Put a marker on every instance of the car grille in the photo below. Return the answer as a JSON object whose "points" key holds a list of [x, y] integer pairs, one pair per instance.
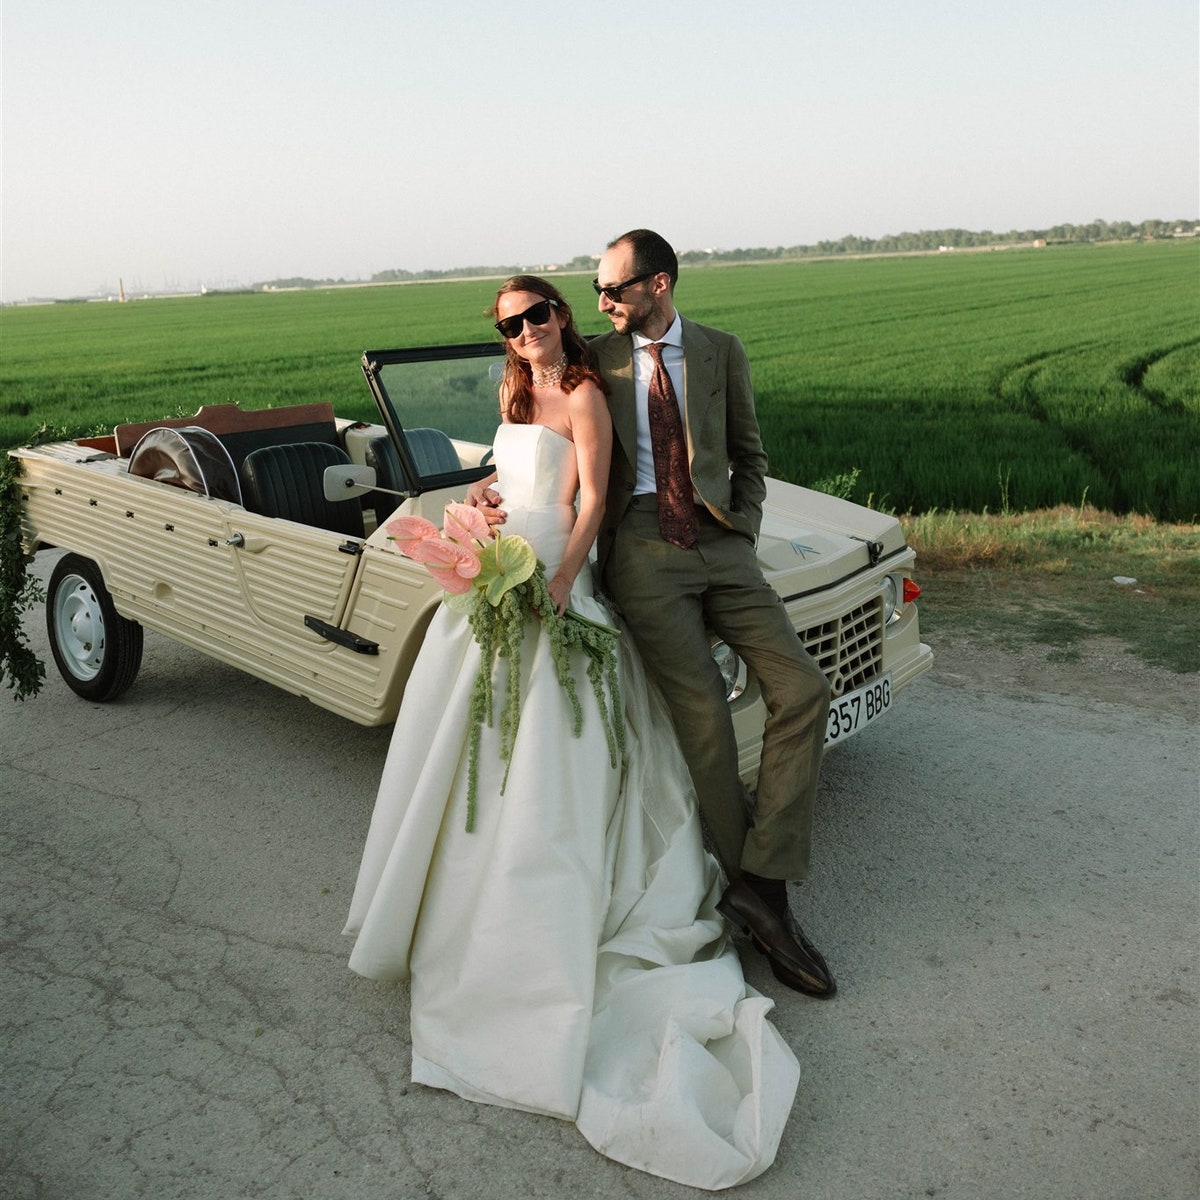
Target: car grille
{"points": [[849, 649]]}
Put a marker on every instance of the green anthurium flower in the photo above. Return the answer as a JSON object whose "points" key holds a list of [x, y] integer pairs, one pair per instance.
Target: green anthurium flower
{"points": [[506, 563]]}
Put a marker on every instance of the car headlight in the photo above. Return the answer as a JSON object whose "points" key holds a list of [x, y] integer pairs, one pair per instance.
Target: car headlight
{"points": [[733, 670], [891, 597]]}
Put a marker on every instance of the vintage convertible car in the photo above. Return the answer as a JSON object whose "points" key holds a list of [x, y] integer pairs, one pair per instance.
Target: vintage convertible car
{"points": [[256, 537]]}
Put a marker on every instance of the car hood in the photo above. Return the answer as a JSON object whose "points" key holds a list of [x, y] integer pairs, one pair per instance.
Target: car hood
{"points": [[810, 540]]}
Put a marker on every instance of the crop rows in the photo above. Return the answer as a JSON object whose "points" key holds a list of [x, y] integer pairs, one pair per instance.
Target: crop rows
{"points": [[1004, 380]]}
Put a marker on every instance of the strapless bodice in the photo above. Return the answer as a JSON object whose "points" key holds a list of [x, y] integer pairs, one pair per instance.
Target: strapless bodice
{"points": [[536, 466], [537, 480]]}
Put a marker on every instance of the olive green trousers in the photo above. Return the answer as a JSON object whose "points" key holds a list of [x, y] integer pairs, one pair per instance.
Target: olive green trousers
{"points": [[670, 599]]}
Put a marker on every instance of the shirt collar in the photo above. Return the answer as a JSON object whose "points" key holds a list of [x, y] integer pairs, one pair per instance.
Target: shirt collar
{"points": [[673, 336]]}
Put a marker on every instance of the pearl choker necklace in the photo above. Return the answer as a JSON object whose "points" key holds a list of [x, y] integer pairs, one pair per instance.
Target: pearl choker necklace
{"points": [[550, 376]]}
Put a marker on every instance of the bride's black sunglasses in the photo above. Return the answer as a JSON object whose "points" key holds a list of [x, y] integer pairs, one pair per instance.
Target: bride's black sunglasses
{"points": [[537, 314]]}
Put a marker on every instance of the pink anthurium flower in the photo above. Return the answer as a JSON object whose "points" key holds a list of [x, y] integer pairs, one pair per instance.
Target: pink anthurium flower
{"points": [[465, 524], [453, 566], [410, 530]]}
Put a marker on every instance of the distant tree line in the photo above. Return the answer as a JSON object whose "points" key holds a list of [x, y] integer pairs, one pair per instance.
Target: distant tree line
{"points": [[399, 275], [954, 239], [892, 243]]}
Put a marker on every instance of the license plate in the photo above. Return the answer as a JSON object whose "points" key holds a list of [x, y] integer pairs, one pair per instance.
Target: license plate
{"points": [[856, 710]]}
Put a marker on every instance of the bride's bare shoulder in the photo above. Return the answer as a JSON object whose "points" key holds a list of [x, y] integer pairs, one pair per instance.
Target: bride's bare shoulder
{"points": [[587, 394]]}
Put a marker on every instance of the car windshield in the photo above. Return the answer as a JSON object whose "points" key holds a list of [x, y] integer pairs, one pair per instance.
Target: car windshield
{"points": [[435, 402]]}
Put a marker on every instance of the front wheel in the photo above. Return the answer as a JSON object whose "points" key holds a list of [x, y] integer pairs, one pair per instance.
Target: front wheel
{"points": [[97, 651]]}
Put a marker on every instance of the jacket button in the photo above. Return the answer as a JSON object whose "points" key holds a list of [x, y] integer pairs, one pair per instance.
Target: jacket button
{"points": [[629, 487]]}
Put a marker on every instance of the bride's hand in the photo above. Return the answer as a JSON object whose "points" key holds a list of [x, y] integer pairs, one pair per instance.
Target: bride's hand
{"points": [[560, 593], [487, 501]]}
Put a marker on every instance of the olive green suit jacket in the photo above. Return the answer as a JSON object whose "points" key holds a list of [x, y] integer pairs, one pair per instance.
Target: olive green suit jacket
{"points": [[725, 454]]}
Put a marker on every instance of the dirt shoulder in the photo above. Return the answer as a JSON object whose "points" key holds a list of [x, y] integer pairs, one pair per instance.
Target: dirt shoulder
{"points": [[1020, 635], [1101, 668]]}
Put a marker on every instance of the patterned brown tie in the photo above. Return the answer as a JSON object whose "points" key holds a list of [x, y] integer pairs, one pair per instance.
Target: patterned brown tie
{"points": [[676, 508]]}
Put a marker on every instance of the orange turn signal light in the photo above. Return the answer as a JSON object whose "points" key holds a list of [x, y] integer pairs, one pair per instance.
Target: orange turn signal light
{"points": [[911, 591]]}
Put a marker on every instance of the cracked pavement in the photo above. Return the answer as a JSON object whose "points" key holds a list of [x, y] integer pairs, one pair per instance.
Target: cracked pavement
{"points": [[1005, 884]]}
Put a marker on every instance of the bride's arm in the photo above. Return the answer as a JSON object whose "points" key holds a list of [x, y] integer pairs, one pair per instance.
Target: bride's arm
{"points": [[591, 431], [481, 494]]}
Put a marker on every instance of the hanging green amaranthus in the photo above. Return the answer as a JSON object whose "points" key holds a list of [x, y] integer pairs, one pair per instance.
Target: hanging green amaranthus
{"points": [[498, 583]]}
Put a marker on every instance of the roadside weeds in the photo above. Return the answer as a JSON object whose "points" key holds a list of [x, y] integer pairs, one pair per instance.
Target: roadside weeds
{"points": [[1060, 579]]}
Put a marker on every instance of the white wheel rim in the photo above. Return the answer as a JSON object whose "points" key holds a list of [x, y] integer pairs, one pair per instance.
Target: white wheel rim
{"points": [[79, 627]]}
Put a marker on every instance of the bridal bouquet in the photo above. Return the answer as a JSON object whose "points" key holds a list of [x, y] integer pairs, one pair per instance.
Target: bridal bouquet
{"points": [[498, 583]]}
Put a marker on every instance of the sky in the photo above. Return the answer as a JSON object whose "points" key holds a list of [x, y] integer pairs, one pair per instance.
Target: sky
{"points": [[189, 143]]}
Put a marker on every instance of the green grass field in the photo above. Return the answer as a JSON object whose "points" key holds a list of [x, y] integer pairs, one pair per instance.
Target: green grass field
{"points": [[1006, 380]]}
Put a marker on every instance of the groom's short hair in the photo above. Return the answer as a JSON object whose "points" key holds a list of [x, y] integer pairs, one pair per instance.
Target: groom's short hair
{"points": [[652, 253]]}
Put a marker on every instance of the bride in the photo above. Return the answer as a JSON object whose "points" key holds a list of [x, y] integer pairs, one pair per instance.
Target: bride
{"points": [[565, 955]]}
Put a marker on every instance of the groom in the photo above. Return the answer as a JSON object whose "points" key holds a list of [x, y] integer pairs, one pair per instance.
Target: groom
{"points": [[677, 553]]}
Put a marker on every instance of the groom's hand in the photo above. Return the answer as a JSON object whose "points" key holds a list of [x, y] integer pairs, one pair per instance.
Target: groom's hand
{"points": [[487, 500]]}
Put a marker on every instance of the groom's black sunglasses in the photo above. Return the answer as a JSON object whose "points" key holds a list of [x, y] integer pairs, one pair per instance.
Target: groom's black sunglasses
{"points": [[615, 290], [537, 314]]}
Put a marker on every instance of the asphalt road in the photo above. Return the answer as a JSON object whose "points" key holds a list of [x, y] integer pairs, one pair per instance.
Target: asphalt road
{"points": [[1005, 884]]}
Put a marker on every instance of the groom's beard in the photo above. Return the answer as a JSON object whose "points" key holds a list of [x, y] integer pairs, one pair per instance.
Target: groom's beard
{"points": [[634, 319]]}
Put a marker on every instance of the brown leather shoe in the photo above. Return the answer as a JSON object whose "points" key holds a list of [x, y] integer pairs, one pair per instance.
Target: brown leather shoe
{"points": [[794, 960]]}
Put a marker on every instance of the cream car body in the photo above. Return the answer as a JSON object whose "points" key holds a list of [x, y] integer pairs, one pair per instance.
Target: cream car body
{"points": [[337, 616]]}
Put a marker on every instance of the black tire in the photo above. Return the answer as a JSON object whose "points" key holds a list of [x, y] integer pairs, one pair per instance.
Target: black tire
{"points": [[97, 651]]}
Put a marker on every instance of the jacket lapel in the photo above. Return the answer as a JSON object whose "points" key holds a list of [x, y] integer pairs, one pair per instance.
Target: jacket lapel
{"points": [[616, 365], [699, 375]]}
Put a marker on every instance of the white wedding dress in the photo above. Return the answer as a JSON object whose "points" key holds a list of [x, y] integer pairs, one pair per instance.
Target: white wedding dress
{"points": [[565, 957]]}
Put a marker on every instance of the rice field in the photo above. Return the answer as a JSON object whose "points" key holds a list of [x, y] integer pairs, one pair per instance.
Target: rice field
{"points": [[995, 381]]}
